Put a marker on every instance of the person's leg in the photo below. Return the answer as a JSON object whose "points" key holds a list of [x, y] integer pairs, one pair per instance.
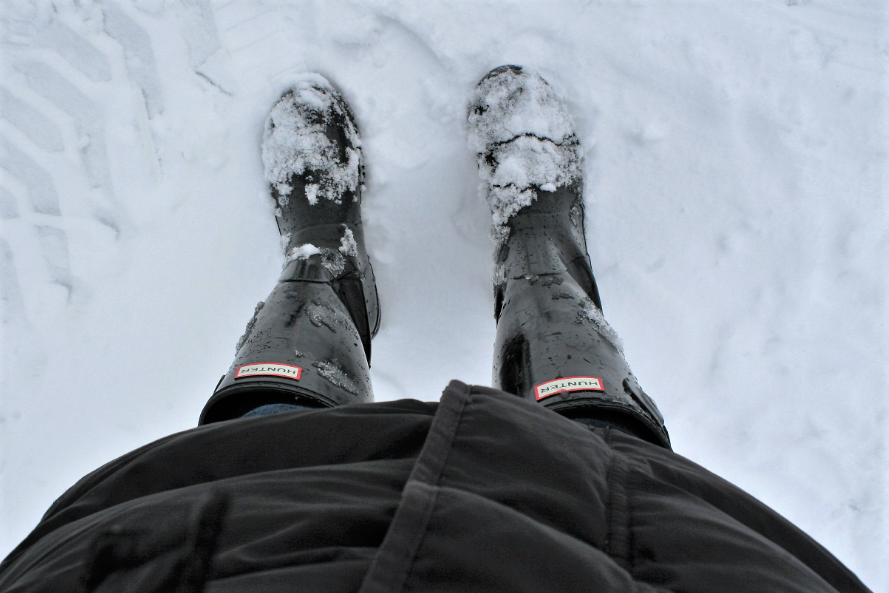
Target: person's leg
{"points": [[308, 343], [553, 344], [272, 409]]}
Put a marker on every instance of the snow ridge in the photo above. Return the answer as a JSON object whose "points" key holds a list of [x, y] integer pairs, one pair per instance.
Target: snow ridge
{"points": [[295, 142], [525, 140]]}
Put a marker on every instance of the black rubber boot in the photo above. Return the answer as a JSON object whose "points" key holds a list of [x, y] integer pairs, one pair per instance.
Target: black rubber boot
{"points": [[309, 342], [553, 344]]}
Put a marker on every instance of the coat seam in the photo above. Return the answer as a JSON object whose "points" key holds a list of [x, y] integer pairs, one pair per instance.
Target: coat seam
{"points": [[442, 433], [631, 538], [393, 562], [619, 523]]}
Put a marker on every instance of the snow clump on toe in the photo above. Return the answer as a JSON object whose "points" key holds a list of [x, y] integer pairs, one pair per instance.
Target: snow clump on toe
{"points": [[302, 252], [295, 142], [348, 245], [525, 140]]}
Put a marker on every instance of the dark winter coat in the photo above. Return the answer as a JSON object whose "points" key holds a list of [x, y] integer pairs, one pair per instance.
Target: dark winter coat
{"points": [[480, 492]]}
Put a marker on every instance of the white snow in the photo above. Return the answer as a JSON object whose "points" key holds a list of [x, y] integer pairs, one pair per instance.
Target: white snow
{"points": [[525, 140], [348, 245], [590, 312], [312, 193], [295, 141], [304, 251], [510, 104], [735, 189]]}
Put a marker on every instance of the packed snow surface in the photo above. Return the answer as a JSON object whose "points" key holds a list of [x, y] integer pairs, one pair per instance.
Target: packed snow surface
{"points": [[524, 137], [295, 142], [735, 190]]}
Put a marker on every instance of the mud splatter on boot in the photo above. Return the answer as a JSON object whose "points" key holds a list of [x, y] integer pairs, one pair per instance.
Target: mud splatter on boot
{"points": [[336, 375], [250, 325]]}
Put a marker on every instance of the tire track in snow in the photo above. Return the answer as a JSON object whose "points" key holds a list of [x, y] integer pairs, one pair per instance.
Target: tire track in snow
{"points": [[41, 190], [12, 305], [54, 244], [9, 208], [63, 88], [30, 122], [40, 129], [64, 41], [199, 31], [87, 116], [44, 200], [139, 55], [26, 352], [206, 56], [78, 52]]}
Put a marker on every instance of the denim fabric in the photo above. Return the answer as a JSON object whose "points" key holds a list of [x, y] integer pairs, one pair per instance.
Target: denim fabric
{"points": [[270, 409]]}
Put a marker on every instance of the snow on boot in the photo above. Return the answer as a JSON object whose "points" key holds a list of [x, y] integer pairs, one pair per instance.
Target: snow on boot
{"points": [[309, 342], [553, 344]]}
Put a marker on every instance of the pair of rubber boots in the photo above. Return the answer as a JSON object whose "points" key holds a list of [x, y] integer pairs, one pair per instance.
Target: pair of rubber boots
{"points": [[309, 342]]}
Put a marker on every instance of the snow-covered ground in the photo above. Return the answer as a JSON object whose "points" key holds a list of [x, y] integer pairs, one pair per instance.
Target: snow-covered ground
{"points": [[736, 178]]}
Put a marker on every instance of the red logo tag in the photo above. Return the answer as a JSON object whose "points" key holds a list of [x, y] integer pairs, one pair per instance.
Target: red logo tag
{"points": [[549, 388], [268, 368]]}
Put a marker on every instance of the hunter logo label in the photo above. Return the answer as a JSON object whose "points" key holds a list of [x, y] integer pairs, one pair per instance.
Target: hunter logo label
{"points": [[268, 368], [568, 384]]}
